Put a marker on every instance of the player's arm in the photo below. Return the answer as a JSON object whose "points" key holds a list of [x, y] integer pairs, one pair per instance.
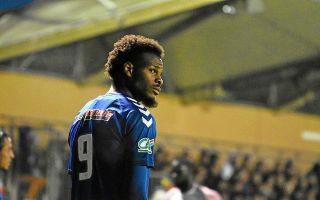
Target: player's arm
{"points": [[141, 181], [142, 151]]}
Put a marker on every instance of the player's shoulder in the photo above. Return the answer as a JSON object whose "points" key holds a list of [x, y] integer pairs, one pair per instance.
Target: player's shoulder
{"points": [[109, 101], [121, 102], [137, 113], [135, 106], [99, 103], [138, 110], [116, 103]]}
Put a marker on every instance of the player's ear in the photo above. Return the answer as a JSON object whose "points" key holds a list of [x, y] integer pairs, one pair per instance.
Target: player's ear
{"points": [[128, 69]]}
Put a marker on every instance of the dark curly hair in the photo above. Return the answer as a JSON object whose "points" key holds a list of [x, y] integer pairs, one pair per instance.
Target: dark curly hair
{"points": [[178, 162], [126, 49]]}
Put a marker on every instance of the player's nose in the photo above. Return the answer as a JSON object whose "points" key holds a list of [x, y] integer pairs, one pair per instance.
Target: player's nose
{"points": [[159, 81]]}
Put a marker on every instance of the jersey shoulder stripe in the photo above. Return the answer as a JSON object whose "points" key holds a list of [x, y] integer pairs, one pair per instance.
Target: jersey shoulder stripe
{"points": [[146, 116]]}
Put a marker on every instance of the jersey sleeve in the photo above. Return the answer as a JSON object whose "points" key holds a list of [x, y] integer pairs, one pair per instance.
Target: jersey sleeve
{"points": [[141, 182], [141, 131]]}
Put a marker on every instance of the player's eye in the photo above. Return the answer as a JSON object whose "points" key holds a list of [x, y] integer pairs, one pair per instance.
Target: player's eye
{"points": [[153, 71]]}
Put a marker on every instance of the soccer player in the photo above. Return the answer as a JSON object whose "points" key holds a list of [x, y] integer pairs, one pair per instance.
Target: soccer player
{"points": [[6, 156], [113, 136]]}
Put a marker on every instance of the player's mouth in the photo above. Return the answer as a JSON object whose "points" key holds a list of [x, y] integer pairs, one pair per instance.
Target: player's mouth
{"points": [[156, 90]]}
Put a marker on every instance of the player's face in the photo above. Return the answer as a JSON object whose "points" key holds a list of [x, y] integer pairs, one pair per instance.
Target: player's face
{"points": [[6, 154], [147, 80]]}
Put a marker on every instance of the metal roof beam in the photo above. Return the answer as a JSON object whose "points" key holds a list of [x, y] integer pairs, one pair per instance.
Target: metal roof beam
{"points": [[123, 17]]}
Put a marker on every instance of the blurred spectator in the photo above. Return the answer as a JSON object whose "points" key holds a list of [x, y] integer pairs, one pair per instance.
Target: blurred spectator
{"points": [[213, 177], [279, 186], [228, 168], [186, 188], [313, 181], [242, 177], [6, 156], [288, 169], [160, 191], [160, 158]]}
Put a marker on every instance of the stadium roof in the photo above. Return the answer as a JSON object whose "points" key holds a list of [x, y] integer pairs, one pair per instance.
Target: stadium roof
{"points": [[54, 23], [262, 52]]}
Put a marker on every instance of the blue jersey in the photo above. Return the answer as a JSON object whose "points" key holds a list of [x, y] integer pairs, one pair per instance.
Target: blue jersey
{"points": [[111, 149]]}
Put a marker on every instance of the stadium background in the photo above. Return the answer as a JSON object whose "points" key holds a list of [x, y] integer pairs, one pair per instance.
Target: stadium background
{"points": [[242, 79]]}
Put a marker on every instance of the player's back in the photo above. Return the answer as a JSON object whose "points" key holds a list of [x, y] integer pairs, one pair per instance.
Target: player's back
{"points": [[101, 161]]}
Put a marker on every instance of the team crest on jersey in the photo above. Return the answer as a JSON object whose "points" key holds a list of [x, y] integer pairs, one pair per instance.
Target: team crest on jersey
{"points": [[145, 145], [98, 115]]}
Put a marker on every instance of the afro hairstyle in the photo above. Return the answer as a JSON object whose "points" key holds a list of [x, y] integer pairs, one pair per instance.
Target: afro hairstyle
{"points": [[126, 49]]}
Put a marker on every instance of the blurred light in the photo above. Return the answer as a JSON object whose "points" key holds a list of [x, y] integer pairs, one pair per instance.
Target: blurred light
{"points": [[255, 6], [311, 136], [230, 10], [108, 4]]}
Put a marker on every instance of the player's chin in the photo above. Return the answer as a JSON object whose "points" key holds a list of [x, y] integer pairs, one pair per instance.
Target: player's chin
{"points": [[154, 105], [150, 101]]}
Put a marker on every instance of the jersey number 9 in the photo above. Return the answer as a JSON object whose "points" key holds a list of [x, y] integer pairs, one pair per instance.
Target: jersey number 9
{"points": [[85, 155]]}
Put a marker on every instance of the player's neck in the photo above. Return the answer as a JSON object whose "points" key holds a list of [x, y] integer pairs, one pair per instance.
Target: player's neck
{"points": [[120, 90]]}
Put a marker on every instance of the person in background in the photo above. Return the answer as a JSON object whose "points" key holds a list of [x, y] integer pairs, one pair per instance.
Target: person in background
{"points": [[6, 156], [182, 175]]}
